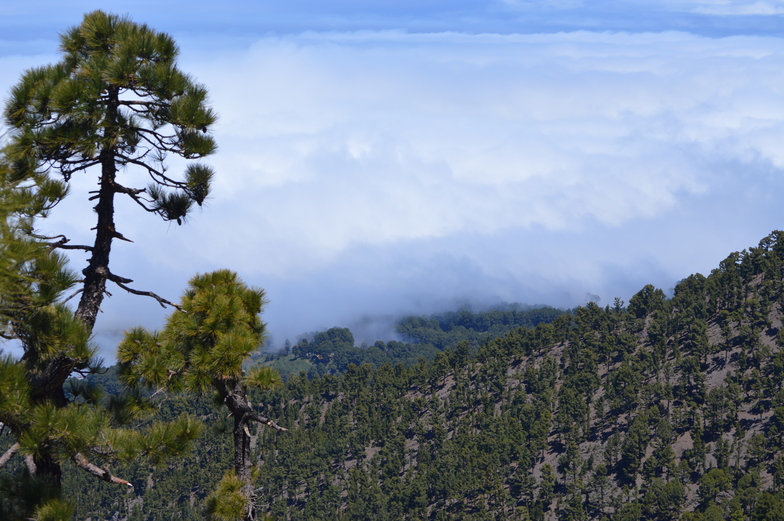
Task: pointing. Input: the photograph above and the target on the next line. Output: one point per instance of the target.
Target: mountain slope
(665, 408)
(651, 410)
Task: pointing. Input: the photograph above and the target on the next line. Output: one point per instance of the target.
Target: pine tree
(205, 347)
(47, 425)
(116, 103)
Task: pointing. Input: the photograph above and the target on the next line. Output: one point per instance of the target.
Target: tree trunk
(235, 397)
(242, 464)
(47, 469)
(97, 271)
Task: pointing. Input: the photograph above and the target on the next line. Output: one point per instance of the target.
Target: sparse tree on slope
(203, 347)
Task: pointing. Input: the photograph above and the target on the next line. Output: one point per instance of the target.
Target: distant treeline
(446, 330)
(331, 351)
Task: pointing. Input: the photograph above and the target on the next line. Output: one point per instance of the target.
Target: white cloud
(333, 140)
(742, 8)
(372, 170)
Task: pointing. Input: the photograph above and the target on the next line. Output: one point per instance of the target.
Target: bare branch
(83, 163)
(122, 281)
(133, 193)
(62, 243)
(125, 190)
(157, 176)
(117, 279)
(102, 473)
(73, 247)
(266, 421)
(131, 104)
(72, 295)
(30, 463)
(118, 235)
(9, 454)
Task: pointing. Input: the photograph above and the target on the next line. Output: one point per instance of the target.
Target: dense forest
(662, 408)
(333, 350)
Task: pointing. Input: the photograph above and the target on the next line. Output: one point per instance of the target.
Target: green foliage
(206, 344)
(770, 507)
(210, 338)
(116, 91)
(115, 99)
(263, 377)
(331, 351)
(445, 330)
(227, 502)
(54, 510)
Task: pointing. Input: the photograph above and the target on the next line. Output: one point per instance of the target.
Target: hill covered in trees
(331, 351)
(662, 408)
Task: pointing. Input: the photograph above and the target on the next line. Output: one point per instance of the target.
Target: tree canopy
(117, 103)
(49, 422)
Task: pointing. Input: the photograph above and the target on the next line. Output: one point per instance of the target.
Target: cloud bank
(384, 171)
(378, 172)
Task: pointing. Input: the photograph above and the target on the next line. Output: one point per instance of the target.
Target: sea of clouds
(370, 173)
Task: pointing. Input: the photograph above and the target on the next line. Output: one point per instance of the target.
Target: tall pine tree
(115, 104)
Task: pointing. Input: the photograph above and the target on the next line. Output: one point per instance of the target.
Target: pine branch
(158, 143)
(157, 175)
(133, 193)
(131, 104)
(125, 190)
(101, 473)
(72, 295)
(62, 243)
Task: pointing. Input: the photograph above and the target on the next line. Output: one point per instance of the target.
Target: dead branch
(101, 473)
(265, 421)
(72, 295)
(62, 243)
(122, 282)
(31, 466)
(118, 235)
(9, 454)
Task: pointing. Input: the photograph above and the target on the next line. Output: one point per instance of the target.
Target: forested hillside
(665, 408)
(331, 351)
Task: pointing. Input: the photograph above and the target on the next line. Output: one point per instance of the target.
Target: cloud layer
(376, 172)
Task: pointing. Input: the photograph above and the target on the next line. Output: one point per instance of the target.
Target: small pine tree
(205, 346)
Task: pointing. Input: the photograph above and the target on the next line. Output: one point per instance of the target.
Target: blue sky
(379, 158)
